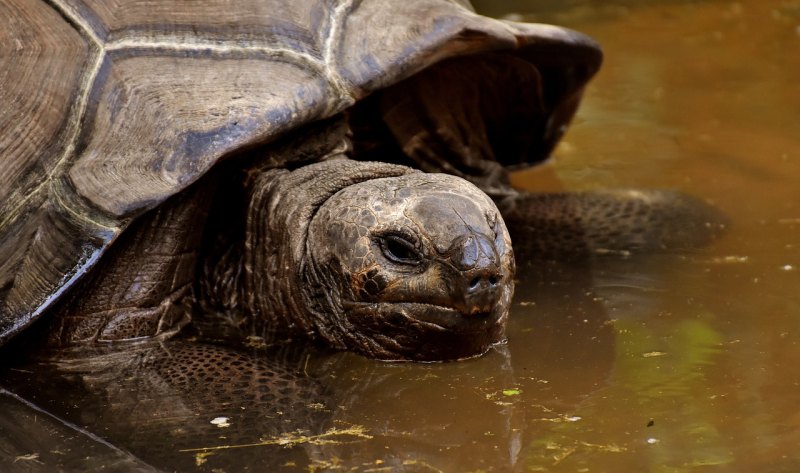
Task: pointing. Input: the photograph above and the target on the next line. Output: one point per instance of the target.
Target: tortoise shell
(111, 107)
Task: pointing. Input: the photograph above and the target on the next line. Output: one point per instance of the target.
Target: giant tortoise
(308, 168)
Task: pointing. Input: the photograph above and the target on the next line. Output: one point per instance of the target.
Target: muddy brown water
(665, 363)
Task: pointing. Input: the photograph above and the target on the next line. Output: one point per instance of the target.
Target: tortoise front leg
(138, 288)
(566, 225)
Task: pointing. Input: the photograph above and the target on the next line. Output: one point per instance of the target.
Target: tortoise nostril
(475, 282)
(483, 282)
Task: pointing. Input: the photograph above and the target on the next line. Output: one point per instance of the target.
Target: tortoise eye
(400, 250)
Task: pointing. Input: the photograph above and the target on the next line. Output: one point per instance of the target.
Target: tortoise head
(410, 267)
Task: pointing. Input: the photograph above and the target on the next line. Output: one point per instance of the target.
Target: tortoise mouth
(431, 316)
(415, 331)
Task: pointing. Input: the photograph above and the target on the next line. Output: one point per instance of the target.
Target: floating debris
(31, 457)
(221, 422)
(731, 259)
(653, 354)
(290, 439)
(201, 457)
(504, 397)
(560, 418)
(564, 451)
(563, 454)
(611, 447)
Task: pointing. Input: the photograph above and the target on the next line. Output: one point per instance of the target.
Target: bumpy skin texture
(137, 291)
(569, 225)
(420, 265)
(377, 259)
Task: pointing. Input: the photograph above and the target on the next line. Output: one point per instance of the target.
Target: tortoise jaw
(447, 318)
(414, 331)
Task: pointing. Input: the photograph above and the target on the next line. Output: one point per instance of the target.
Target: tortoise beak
(479, 279)
(411, 331)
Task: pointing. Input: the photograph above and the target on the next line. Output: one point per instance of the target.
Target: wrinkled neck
(272, 250)
(282, 288)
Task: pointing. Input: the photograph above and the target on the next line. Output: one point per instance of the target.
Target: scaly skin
(370, 257)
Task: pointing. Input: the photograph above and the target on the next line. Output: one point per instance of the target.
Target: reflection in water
(180, 405)
(183, 405)
(682, 362)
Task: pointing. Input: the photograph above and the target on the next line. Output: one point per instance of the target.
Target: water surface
(703, 97)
